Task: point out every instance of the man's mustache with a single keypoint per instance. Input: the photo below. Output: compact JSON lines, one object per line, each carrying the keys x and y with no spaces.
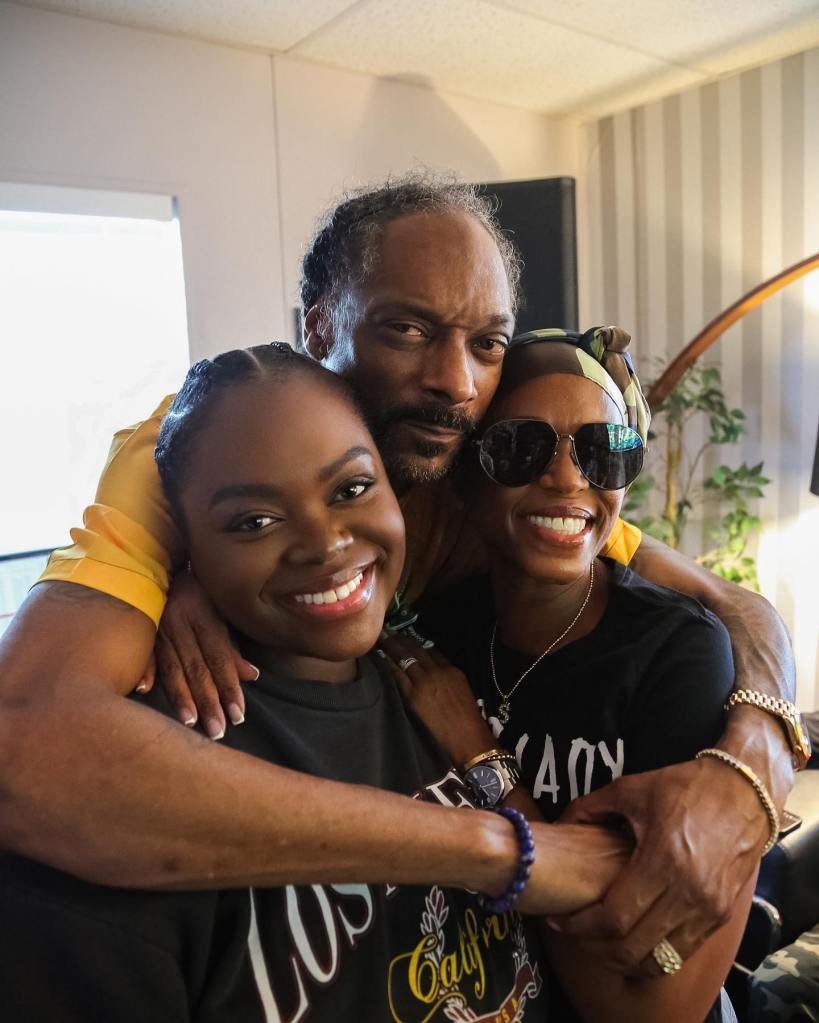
{"x":443,"y":416}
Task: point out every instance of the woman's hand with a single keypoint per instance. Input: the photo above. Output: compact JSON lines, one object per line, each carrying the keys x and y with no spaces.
{"x":574,"y":866}
{"x":199,"y":668}
{"x":439,"y":695}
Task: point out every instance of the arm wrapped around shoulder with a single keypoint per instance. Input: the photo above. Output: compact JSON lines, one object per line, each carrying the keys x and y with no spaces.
{"x":128,"y":543}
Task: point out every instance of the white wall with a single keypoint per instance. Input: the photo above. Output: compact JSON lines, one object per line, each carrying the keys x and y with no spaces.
{"x":339,"y":128}
{"x":90,"y":104}
{"x":253,"y":147}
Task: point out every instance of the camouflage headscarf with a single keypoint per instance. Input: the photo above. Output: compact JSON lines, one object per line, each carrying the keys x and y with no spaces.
{"x":599,"y":355}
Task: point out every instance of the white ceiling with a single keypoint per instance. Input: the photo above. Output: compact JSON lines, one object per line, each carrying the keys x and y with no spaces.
{"x":578,"y":57}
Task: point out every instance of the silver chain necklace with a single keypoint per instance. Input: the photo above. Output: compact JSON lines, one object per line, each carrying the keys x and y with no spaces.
{"x":504,"y":709}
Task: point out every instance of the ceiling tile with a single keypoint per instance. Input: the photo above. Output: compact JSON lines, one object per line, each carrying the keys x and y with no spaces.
{"x":688,"y":32}
{"x":580,"y":57}
{"x":762,"y":49}
{"x":477,"y":49}
{"x":266,"y":24}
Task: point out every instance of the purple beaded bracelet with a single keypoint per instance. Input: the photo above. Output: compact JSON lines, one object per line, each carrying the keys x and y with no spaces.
{"x":527,"y":858}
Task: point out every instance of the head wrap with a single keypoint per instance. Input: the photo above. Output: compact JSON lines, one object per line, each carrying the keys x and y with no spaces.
{"x":599,"y":355}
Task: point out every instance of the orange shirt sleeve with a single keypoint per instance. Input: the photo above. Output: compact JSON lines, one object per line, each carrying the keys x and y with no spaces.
{"x":623,"y":542}
{"x":128,"y":542}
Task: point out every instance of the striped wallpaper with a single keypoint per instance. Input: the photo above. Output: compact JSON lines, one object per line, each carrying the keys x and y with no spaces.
{"x":689,"y":203}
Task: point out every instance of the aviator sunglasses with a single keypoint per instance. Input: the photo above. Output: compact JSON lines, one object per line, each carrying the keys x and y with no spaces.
{"x":515,"y":452}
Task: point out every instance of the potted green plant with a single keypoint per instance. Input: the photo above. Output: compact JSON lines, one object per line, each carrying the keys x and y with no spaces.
{"x":730,"y":491}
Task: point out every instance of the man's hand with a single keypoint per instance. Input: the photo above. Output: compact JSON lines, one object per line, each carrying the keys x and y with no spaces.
{"x":199,"y":668}
{"x":699,"y":829}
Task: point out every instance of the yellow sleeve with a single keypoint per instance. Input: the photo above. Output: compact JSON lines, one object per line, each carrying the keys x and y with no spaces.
{"x":128,"y":542}
{"x":623,"y":542}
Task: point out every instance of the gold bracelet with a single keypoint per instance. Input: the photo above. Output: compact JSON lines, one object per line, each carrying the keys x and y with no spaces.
{"x":492,"y":754}
{"x":759,"y":788}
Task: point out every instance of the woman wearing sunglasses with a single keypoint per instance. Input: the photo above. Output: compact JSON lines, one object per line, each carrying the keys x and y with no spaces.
{"x":582,"y":670}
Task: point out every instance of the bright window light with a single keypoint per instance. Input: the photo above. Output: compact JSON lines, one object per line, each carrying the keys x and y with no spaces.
{"x":93,"y":333}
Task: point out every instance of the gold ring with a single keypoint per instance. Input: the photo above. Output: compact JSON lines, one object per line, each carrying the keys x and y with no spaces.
{"x":667,"y":957}
{"x":407,"y":662}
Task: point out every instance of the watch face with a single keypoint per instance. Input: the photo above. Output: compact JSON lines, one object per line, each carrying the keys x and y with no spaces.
{"x":488,"y":782}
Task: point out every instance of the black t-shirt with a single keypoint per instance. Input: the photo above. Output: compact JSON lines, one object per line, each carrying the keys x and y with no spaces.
{"x":79,"y":952}
{"x":644,"y":689}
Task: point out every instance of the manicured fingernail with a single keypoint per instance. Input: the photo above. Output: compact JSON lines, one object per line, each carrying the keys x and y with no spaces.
{"x":258,"y":673}
{"x":235,"y":713}
{"x":187,"y":717}
{"x":214,"y":728}
{"x":142,"y":688}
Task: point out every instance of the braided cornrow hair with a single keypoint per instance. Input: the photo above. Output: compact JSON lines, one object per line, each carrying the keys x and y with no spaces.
{"x":205,"y":381}
{"x":344,"y":247}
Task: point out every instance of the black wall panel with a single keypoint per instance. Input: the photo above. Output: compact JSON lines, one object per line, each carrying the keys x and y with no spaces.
{"x":540,"y":217}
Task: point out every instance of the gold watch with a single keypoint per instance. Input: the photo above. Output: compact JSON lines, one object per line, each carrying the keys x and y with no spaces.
{"x":788,"y":715}
{"x":491,"y":776}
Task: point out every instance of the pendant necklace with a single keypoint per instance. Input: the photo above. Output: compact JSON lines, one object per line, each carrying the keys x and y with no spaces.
{"x":504,"y":709}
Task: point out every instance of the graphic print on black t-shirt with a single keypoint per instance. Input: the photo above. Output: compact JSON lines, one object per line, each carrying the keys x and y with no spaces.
{"x":321,"y":953}
{"x":644,"y":689}
{"x":439,"y":957}
{"x":406,"y":954}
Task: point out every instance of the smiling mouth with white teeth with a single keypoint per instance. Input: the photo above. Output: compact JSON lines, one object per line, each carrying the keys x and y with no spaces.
{"x":349,"y":596}
{"x":569,"y":525}
{"x":331,"y":596}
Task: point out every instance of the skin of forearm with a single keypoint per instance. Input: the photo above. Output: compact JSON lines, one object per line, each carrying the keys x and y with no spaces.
{"x":110,"y":816}
{"x":168,"y":809}
{"x":590,"y":857}
{"x":757,"y":739}
{"x":601,"y":994}
{"x":116,"y":793}
{"x":586,"y":859}
{"x":763,"y":660}
{"x":581,"y":859}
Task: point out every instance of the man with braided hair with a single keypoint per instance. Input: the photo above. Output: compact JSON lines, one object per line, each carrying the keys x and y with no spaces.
{"x":409,"y":292}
